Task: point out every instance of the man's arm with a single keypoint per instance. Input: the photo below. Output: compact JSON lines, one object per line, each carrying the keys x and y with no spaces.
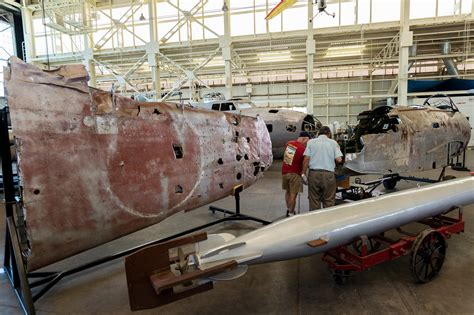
{"x":338,"y":154}
{"x":305,"y":164}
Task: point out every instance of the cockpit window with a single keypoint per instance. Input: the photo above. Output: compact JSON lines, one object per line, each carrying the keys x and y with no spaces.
{"x":227,"y":106}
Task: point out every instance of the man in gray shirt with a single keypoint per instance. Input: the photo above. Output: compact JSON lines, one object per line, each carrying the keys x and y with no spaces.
{"x":321,"y":156}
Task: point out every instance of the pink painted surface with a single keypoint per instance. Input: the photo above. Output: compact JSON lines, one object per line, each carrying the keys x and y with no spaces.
{"x":95,"y":167}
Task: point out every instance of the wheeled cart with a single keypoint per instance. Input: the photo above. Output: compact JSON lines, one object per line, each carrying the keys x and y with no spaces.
{"x":427,"y":249}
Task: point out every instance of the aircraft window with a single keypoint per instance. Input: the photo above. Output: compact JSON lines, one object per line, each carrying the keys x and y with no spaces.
{"x":178,"y":189}
{"x":270,"y":127}
{"x":178,"y":151}
{"x":227,"y":106}
{"x":273,"y":111}
{"x":435,"y":125}
{"x":216,"y":106}
{"x":290,"y":128}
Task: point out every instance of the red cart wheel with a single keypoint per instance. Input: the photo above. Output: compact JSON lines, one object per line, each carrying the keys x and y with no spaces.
{"x":427,"y":255}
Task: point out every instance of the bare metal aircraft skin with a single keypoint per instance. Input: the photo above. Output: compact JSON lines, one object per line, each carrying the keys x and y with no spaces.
{"x":405,"y":139}
{"x":96,"y":166}
{"x":284,"y":125}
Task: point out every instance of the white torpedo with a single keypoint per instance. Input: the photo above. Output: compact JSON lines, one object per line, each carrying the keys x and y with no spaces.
{"x":318,"y":231}
{"x":156,"y":277}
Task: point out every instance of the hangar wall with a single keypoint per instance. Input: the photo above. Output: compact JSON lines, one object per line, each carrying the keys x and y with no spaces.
{"x":353,"y":58}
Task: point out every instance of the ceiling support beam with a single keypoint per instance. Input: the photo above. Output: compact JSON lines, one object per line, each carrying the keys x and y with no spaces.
{"x":189,"y":76}
{"x":406,"y":40}
{"x":119,"y":24}
{"x":191,"y":17}
{"x":89,"y":46}
{"x":310,"y":51}
{"x":27,"y":17}
{"x":183,"y":20}
{"x":153,"y":49}
{"x":122,"y":79}
{"x":226,"y":46}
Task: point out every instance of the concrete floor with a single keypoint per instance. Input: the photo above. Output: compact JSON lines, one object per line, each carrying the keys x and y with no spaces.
{"x":301,"y":286}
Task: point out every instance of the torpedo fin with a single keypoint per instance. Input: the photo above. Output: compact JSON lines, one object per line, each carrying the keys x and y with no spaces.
{"x":213,"y":241}
{"x":231,"y":274}
{"x":222,"y":248}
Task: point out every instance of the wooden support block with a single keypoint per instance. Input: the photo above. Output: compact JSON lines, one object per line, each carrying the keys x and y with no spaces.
{"x":152,"y":260}
{"x":163,"y":281}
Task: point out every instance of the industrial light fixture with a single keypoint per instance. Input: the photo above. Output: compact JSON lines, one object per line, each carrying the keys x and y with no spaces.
{"x":225,"y":7}
{"x":344,"y":50}
{"x":321,"y":4}
{"x":142,"y":17}
{"x":274,"y":56}
{"x":216,"y":61}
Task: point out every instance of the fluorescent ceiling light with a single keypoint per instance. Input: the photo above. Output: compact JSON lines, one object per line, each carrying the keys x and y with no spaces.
{"x":343,"y":51}
{"x":214,"y":62}
{"x":274,"y":56}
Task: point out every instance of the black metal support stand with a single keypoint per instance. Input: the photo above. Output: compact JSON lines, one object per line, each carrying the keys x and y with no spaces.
{"x":13,"y":262}
{"x":460,"y":166}
{"x":28,"y":292}
{"x":236,"y":216}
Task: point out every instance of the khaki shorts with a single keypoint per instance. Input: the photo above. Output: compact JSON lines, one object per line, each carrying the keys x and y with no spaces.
{"x":292,"y":183}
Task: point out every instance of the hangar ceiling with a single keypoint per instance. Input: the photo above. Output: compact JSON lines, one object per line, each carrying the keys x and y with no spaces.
{"x":113,"y":37}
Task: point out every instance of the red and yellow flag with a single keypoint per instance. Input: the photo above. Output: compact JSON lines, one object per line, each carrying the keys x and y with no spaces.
{"x":279,"y":8}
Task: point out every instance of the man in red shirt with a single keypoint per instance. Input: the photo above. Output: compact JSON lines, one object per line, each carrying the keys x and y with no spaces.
{"x":292,"y":168}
